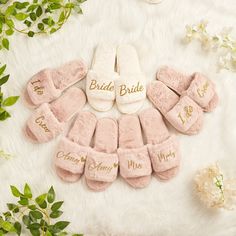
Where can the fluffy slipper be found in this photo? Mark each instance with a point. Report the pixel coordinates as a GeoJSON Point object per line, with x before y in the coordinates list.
{"type": "Point", "coordinates": [163, 149]}
{"type": "Point", "coordinates": [48, 84]}
{"type": "Point", "coordinates": [71, 153]}
{"type": "Point", "coordinates": [48, 120]}
{"type": "Point", "coordinates": [131, 86]}
{"type": "Point", "coordinates": [100, 79]}
{"type": "Point", "coordinates": [102, 162]}
{"type": "Point", "coordinates": [135, 164]}
{"type": "Point", "coordinates": [199, 88]}
{"type": "Point", "coordinates": [182, 112]}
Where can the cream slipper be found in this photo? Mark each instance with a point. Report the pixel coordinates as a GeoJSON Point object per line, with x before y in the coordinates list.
{"type": "Point", "coordinates": [100, 79]}
{"type": "Point", "coordinates": [131, 86]}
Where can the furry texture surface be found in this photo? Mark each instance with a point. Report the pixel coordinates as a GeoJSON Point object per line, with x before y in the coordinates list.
{"type": "Point", "coordinates": [161, 209]}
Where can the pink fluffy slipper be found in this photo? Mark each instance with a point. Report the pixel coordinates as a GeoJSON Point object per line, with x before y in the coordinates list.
{"type": "Point", "coordinates": [182, 112]}
{"type": "Point", "coordinates": [197, 86]}
{"type": "Point", "coordinates": [163, 148]}
{"type": "Point", "coordinates": [135, 164]}
{"type": "Point", "coordinates": [71, 153]}
{"type": "Point", "coordinates": [48, 120]}
{"type": "Point", "coordinates": [102, 162]}
{"type": "Point", "coordinates": [48, 84]}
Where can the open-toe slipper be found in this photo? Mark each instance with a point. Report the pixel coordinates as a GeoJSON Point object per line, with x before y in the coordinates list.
{"type": "Point", "coordinates": [131, 85]}
{"type": "Point", "coordinates": [48, 84]}
{"type": "Point", "coordinates": [163, 148]}
{"type": "Point", "coordinates": [135, 164]}
{"type": "Point", "coordinates": [197, 86]}
{"type": "Point", "coordinates": [100, 79]}
{"type": "Point", "coordinates": [102, 161]}
{"type": "Point", "coordinates": [48, 120]}
{"type": "Point", "coordinates": [71, 153]}
{"type": "Point", "coordinates": [181, 112]}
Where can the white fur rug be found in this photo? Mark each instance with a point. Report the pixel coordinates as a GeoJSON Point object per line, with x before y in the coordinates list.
{"type": "Point", "coordinates": [162, 209]}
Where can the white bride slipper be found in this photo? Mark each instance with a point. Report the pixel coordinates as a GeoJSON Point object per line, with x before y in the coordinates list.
{"type": "Point", "coordinates": [100, 79]}
{"type": "Point", "coordinates": [131, 86]}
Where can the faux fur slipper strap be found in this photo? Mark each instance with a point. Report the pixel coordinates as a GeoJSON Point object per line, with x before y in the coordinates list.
{"type": "Point", "coordinates": [130, 88]}
{"type": "Point", "coordinates": [134, 162]}
{"type": "Point", "coordinates": [166, 155]}
{"type": "Point", "coordinates": [48, 84]}
{"type": "Point", "coordinates": [101, 166]}
{"type": "Point", "coordinates": [197, 86]}
{"type": "Point", "coordinates": [71, 156]}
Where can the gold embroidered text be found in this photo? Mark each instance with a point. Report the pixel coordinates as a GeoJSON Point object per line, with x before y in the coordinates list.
{"type": "Point", "coordinates": [37, 89]}
{"type": "Point", "coordinates": [39, 121]}
{"type": "Point", "coordinates": [100, 167]}
{"type": "Point", "coordinates": [129, 90]}
{"type": "Point", "coordinates": [94, 85]}
{"type": "Point", "coordinates": [133, 165]}
{"type": "Point", "coordinates": [188, 110]}
{"type": "Point", "coordinates": [202, 91]}
{"type": "Point", "coordinates": [166, 156]}
{"type": "Point", "coordinates": [69, 157]}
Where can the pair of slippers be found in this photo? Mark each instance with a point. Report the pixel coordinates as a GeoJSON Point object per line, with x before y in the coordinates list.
{"type": "Point", "coordinates": [127, 86]}
{"type": "Point", "coordinates": [135, 161]}
{"type": "Point", "coordinates": [44, 92]}
{"type": "Point", "coordinates": [182, 99]}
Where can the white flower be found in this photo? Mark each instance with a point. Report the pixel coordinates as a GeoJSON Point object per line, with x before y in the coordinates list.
{"type": "Point", "coordinates": [213, 190]}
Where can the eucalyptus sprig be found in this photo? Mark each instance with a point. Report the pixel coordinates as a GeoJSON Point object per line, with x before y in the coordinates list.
{"type": "Point", "coordinates": [34, 17]}
{"type": "Point", "coordinates": [222, 42]}
{"type": "Point", "coordinates": [5, 102]}
{"type": "Point", "coordinates": [36, 216]}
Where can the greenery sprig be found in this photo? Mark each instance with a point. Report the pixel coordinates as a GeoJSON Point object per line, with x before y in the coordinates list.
{"type": "Point", "coordinates": [5, 102]}
{"type": "Point", "coordinates": [37, 215]}
{"type": "Point", "coordinates": [35, 17]}
{"type": "Point", "coordinates": [5, 155]}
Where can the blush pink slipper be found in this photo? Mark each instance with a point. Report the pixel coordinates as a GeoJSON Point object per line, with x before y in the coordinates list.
{"type": "Point", "coordinates": [199, 88]}
{"type": "Point", "coordinates": [100, 79]}
{"type": "Point", "coordinates": [48, 120]}
{"type": "Point", "coordinates": [72, 151]}
{"type": "Point", "coordinates": [131, 86]}
{"type": "Point", "coordinates": [102, 162]}
{"type": "Point", "coordinates": [182, 112]}
{"type": "Point", "coordinates": [163, 149]}
{"type": "Point", "coordinates": [48, 84]}
{"type": "Point", "coordinates": [135, 164]}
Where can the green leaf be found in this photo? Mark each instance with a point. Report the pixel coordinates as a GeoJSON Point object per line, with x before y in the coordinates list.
{"type": "Point", "coordinates": [4, 115]}
{"type": "Point", "coordinates": [4, 79]}
{"type": "Point", "coordinates": [36, 214]}
{"type": "Point", "coordinates": [55, 6]}
{"type": "Point", "coordinates": [56, 214]}
{"type": "Point", "coordinates": [10, 23]}
{"type": "Point", "coordinates": [33, 16]}
{"type": "Point", "coordinates": [9, 32]}
{"type": "Point", "coordinates": [56, 206]}
{"type": "Point", "coordinates": [61, 17]}
{"type": "Point", "coordinates": [2, 69]}
{"type": "Point", "coordinates": [35, 232]}
{"type": "Point", "coordinates": [28, 23]}
{"type": "Point", "coordinates": [27, 190]}
{"type": "Point", "coordinates": [43, 205]}
{"type": "Point", "coordinates": [32, 7]}
{"type": "Point", "coordinates": [11, 206]}
{"type": "Point", "coordinates": [48, 233]}
{"type": "Point", "coordinates": [23, 201]}
{"type": "Point", "coordinates": [53, 30]}
{"type": "Point", "coordinates": [5, 43]}
{"type": "Point", "coordinates": [26, 220]}
{"type": "Point", "coordinates": [40, 199]}
{"type": "Point", "coordinates": [7, 226]}
{"type": "Point", "coordinates": [21, 16]}
{"type": "Point", "coordinates": [17, 226]}
{"type": "Point", "coordinates": [10, 10]}
{"type": "Point", "coordinates": [32, 207]}
{"type": "Point", "coordinates": [31, 34]}
{"type": "Point", "coordinates": [10, 101]}
{"type": "Point", "coordinates": [21, 5]}
{"type": "Point", "coordinates": [41, 26]}
{"type": "Point", "coordinates": [34, 226]}
{"type": "Point", "coordinates": [15, 191]}
{"type": "Point", "coordinates": [39, 11]}
{"type": "Point", "coordinates": [51, 195]}
{"type": "Point", "coordinates": [60, 225]}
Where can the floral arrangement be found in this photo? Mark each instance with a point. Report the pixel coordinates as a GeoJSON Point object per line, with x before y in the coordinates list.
{"type": "Point", "coordinates": [214, 190]}
{"type": "Point", "coordinates": [222, 42]}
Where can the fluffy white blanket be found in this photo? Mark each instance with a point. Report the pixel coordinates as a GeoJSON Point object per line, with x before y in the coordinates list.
{"type": "Point", "coordinates": [162, 209]}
